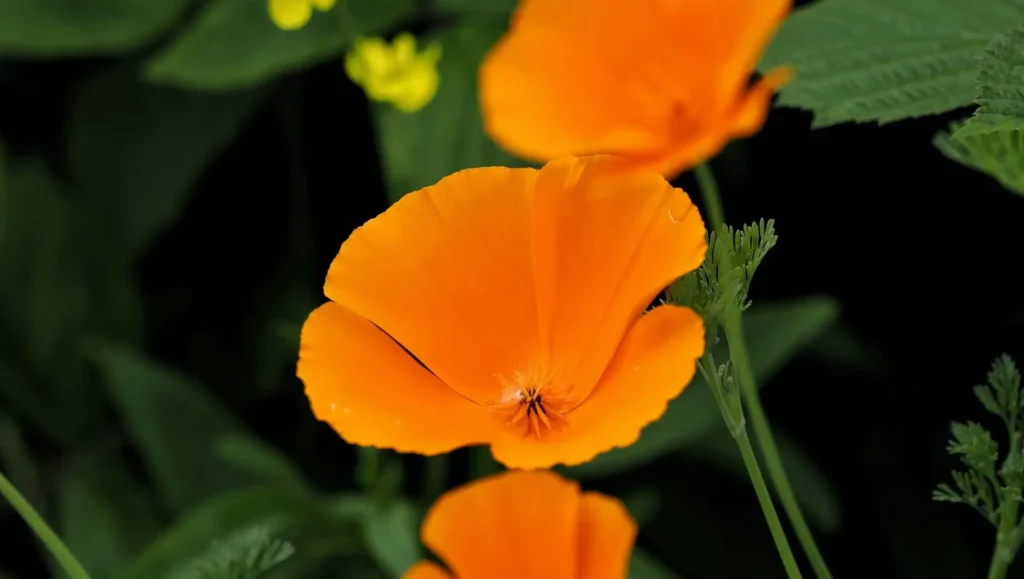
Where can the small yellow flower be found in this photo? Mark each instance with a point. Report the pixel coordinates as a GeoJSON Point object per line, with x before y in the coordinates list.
{"type": "Point", "coordinates": [395, 73]}
{"type": "Point", "coordinates": [294, 14]}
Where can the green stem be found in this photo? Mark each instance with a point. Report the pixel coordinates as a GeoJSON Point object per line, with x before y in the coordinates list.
{"type": "Point", "coordinates": [748, 387]}
{"type": "Point", "coordinates": [56, 547]}
{"type": "Point", "coordinates": [739, 433]}
{"type": "Point", "coordinates": [1007, 536]}
{"type": "Point", "coordinates": [435, 477]}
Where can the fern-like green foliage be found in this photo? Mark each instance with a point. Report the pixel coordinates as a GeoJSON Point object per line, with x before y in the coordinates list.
{"type": "Point", "coordinates": [886, 60]}
{"type": "Point", "coordinates": [705, 290]}
{"type": "Point", "coordinates": [249, 554]}
{"type": "Point", "coordinates": [1000, 88]}
{"type": "Point", "coordinates": [998, 153]}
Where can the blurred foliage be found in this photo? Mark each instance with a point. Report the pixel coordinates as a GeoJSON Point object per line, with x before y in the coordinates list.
{"type": "Point", "coordinates": [147, 471]}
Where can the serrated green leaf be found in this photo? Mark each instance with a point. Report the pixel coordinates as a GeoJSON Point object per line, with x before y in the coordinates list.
{"type": "Point", "coordinates": [412, 158]}
{"type": "Point", "coordinates": [60, 28]}
{"type": "Point", "coordinates": [392, 534]}
{"type": "Point", "coordinates": [814, 492]}
{"type": "Point", "coordinates": [996, 153]}
{"type": "Point", "coordinates": [138, 150]}
{"type": "Point", "coordinates": [176, 425]}
{"type": "Point", "coordinates": [232, 44]}
{"type": "Point", "coordinates": [107, 516]}
{"type": "Point", "coordinates": [774, 332]}
{"type": "Point", "coordinates": [279, 509]}
{"type": "Point", "coordinates": [1000, 88]}
{"type": "Point", "coordinates": [886, 60]}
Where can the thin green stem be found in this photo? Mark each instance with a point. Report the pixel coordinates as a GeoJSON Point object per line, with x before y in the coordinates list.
{"type": "Point", "coordinates": [765, 498]}
{"type": "Point", "coordinates": [56, 547]}
{"type": "Point", "coordinates": [748, 386]}
{"type": "Point", "coordinates": [1007, 541]}
{"type": "Point", "coordinates": [435, 477]}
{"type": "Point", "coordinates": [739, 433]}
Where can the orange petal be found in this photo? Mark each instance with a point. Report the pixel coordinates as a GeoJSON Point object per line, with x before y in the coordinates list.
{"type": "Point", "coordinates": [447, 272]}
{"type": "Point", "coordinates": [607, 533]}
{"type": "Point", "coordinates": [426, 570]}
{"type": "Point", "coordinates": [607, 241]}
{"type": "Point", "coordinates": [374, 394]}
{"type": "Point", "coordinates": [510, 526]}
{"type": "Point", "coordinates": [651, 367]}
{"type": "Point", "coordinates": [651, 80]}
{"type": "Point", "coordinates": [753, 109]}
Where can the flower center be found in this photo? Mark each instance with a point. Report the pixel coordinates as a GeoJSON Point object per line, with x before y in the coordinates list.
{"type": "Point", "coordinates": [533, 407]}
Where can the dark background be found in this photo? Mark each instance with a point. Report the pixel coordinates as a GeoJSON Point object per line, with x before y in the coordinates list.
{"type": "Point", "coordinates": [919, 251]}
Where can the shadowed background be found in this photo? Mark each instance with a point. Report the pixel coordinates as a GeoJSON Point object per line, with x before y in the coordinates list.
{"type": "Point", "coordinates": [106, 438]}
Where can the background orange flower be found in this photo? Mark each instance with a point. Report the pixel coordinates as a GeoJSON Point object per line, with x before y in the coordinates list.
{"type": "Point", "coordinates": [520, 294]}
{"type": "Point", "coordinates": [521, 524]}
{"type": "Point", "coordinates": [663, 83]}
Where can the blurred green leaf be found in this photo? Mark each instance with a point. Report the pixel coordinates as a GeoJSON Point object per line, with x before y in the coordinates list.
{"type": "Point", "coordinates": [642, 503]}
{"type": "Point", "coordinates": [60, 28]}
{"type": "Point", "coordinates": [62, 280]}
{"type": "Point", "coordinates": [469, 6]}
{"type": "Point", "coordinates": [176, 425]}
{"type": "Point", "coordinates": [138, 150]}
{"type": "Point", "coordinates": [998, 153]}
{"type": "Point", "coordinates": [253, 456]}
{"type": "Point", "coordinates": [392, 535]}
{"type": "Point", "coordinates": [106, 515]}
{"type": "Point", "coordinates": [841, 347]}
{"type": "Point", "coordinates": [412, 159]}
{"type": "Point", "coordinates": [279, 509]}
{"type": "Point", "coordinates": [814, 492]}
{"type": "Point", "coordinates": [885, 60]}
{"type": "Point", "coordinates": [233, 44]}
{"type": "Point", "coordinates": [775, 333]}
{"type": "Point", "coordinates": [644, 566]}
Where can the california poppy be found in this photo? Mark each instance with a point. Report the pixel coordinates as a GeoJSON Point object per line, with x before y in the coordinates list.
{"type": "Point", "coordinates": [294, 14]}
{"type": "Point", "coordinates": [664, 83]}
{"type": "Point", "coordinates": [526, 524]}
{"type": "Point", "coordinates": [504, 307]}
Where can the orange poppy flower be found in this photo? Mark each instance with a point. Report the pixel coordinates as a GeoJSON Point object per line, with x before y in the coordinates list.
{"type": "Point", "coordinates": [664, 83]}
{"type": "Point", "coordinates": [503, 307]}
{"type": "Point", "coordinates": [526, 524]}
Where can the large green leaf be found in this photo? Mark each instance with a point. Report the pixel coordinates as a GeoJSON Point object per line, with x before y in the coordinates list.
{"type": "Point", "coordinates": [813, 490]}
{"type": "Point", "coordinates": [278, 509]}
{"type": "Point", "coordinates": [998, 153]}
{"type": "Point", "coordinates": [56, 28]}
{"type": "Point", "coordinates": [106, 516]}
{"type": "Point", "coordinates": [886, 60]}
{"type": "Point", "coordinates": [138, 150]}
{"type": "Point", "coordinates": [1000, 87]}
{"type": "Point", "coordinates": [774, 332]}
{"type": "Point", "coordinates": [233, 44]}
{"type": "Point", "coordinates": [62, 280]}
{"type": "Point", "coordinates": [409, 142]}
{"type": "Point", "coordinates": [177, 426]}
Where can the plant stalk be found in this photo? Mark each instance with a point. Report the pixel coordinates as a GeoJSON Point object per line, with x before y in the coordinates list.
{"type": "Point", "coordinates": [748, 387]}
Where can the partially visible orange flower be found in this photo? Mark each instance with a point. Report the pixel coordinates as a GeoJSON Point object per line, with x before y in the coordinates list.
{"type": "Point", "coordinates": [503, 307]}
{"type": "Point", "coordinates": [526, 525]}
{"type": "Point", "coordinates": [664, 83]}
